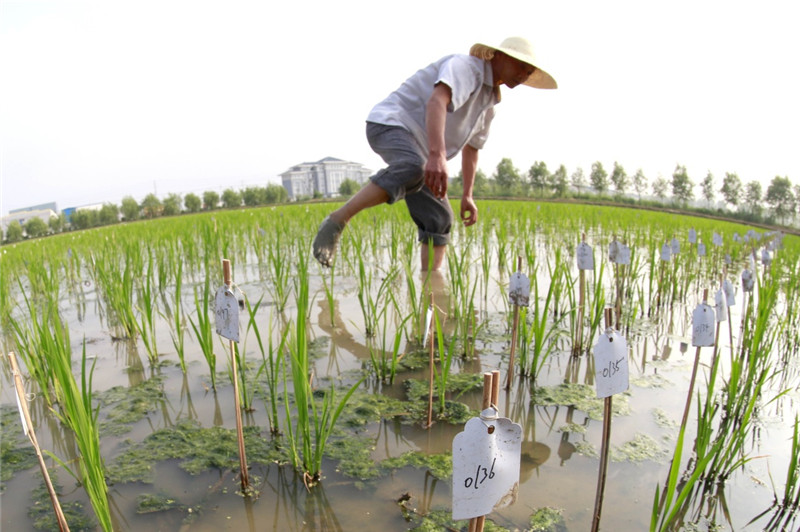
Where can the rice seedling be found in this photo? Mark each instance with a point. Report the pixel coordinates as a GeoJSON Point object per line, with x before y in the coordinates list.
{"type": "Point", "coordinates": [146, 324]}
{"type": "Point", "coordinates": [117, 285]}
{"type": "Point", "coordinates": [76, 412]}
{"type": "Point", "coordinates": [203, 330]}
{"type": "Point", "coordinates": [177, 319]}
{"type": "Point", "coordinates": [445, 362]}
{"type": "Point", "coordinates": [271, 363]}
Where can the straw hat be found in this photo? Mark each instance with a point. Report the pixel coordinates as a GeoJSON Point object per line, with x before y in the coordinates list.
{"type": "Point", "coordinates": [520, 49]}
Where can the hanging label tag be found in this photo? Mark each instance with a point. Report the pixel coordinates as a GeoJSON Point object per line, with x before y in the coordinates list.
{"type": "Point", "coordinates": [728, 260]}
{"type": "Point", "coordinates": [485, 466]}
{"type": "Point", "coordinates": [701, 249]}
{"type": "Point", "coordinates": [716, 239]}
{"type": "Point", "coordinates": [730, 293]}
{"type": "Point", "coordinates": [519, 289]}
{"type": "Point", "coordinates": [676, 246]}
{"type": "Point", "coordinates": [747, 281]}
{"type": "Point", "coordinates": [766, 258]}
{"type": "Point", "coordinates": [624, 255]}
{"type": "Point", "coordinates": [613, 251]}
{"type": "Point", "coordinates": [719, 306]}
{"type": "Point", "coordinates": [611, 364]}
{"type": "Point", "coordinates": [584, 255]}
{"type": "Point", "coordinates": [736, 237]}
{"type": "Point", "coordinates": [428, 321]}
{"type": "Point", "coordinates": [226, 311]}
{"type": "Point", "coordinates": [666, 252]}
{"type": "Point", "coordinates": [703, 326]}
{"type": "Point", "coordinates": [692, 236]}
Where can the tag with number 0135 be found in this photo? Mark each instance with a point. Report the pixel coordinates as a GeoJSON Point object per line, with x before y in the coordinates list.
{"type": "Point", "coordinates": [485, 466]}
{"type": "Point", "coordinates": [611, 364]}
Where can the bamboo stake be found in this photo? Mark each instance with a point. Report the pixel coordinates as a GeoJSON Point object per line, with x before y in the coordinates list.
{"type": "Point", "coordinates": [514, 333]}
{"type": "Point", "coordinates": [226, 273]}
{"type": "Point", "coordinates": [601, 476]}
{"type": "Point", "coordinates": [26, 417]}
{"type": "Point", "coordinates": [578, 342]}
{"type": "Point", "coordinates": [694, 371]}
{"type": "Point", "coordinates": [491, 394]}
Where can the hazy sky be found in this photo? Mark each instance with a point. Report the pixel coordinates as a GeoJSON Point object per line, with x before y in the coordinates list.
{"type": "Point", "coordinates": [99, 100]}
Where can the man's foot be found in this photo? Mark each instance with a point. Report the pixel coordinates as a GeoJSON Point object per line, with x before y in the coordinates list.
{"type": "Point", "coordinates": [326, 241]}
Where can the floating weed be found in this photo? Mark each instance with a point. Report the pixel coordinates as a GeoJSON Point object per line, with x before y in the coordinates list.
{"type": "Point", "coordinates": [586, 449]}
{"type": "Point", "coordinates": [655, 380]}
{"type": "Point", "coordinates": [663, 420]}
{"type": "Point", "coordinates": [127, 405]}
{"type": "Point", "coordinates": [547, 519]}
{"type": "Point", "coordinates": [572, 428]}
{"type": "Point", "coordinates": [149, 503]}
{"type": "Point", "coordinates": [642, 447]}
{"type": "Point", "coordinates": [364, 408]}
{"type": "Point", "coordinates": [582, 397]}
{"type": "Point", "coordinates": [439, 465]}
{"type": "Point", "coordinates": [199, 449]}
{"type": "Point", "coordinates": [43, 517]}
{"type": "Point", "coordinates": [354, 455]}
{"type": "Point", "coordinates": [16, 453]}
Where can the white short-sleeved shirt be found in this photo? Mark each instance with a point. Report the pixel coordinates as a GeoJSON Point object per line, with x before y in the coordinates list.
{"type": "Point", "coordinates": [469, 114]}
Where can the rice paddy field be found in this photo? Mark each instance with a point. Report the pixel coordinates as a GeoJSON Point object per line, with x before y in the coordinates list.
{"type": "Point", "coordinates": [133, 395]}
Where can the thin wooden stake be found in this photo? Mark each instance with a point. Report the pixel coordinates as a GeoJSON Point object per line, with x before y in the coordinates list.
{"type": "Point", "coordinates": [226, 273]}
{"type": "Point", "coordinates": [578, 341]}
{"type": "Point", "coordinates": [26, 417]}
{"type": "Point", "coordinates": [694, 373]}
{"type": "Point", "coordinates": [491, 394]}
{"type": "Point", "coordinates": [601, 476]}
{"type": "Point", "coordinates": [514, 333]}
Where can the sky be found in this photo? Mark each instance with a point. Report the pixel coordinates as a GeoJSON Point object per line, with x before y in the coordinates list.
{"type": "Point", "coordinates": [101, 100]}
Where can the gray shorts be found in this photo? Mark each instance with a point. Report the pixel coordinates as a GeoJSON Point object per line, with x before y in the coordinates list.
{"type": "Point", "coordinates": [404, 179]}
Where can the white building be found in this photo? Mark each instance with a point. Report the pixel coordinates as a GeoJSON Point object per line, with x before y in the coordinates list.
{"type": "Point", "coordinates": [23, 216]}
{"type": "Point", "coordinates": [324, 176]}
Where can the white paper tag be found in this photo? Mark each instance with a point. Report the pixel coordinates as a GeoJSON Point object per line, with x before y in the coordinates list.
{"type": "Point", "coordinates": [666, 252]}
{"type": "Point", "coordinates": [226, 311]}
{"type": "Point", "coordinates": [730, 293]}
{"type": "Point", "coordinates": [719, 306]}
{"type": "Point", "coordinates": [485, 467]}
{"type": "Point", "coordinates": [716, 239]}
{"type": "Point", "coordinates": [676, 246]}
{"type": "Point", "coordinates": [736, 237]}
{"type": "Point", "coordinates": [747, 281]}
{"type": "Point", "coordinates": [701, 249]}
{"type": "Point", "coordinates": [728, 260]}
{"type": "Point", "coordinates": [692, 236]}
{"type": "Point", "coordinates": [703, 326]}
{"type": "Point", "coordinates": [584, 255]}
{"type": "Point", "coordinates": [624, 255]}
{"type": "Point", "coordinates": [428, 321]}
{"type": "Point", "coordinates": [611, 364]}
{"type": "Point", "coordinates": [766, 258]}
{"type": "Point", "coordinates": [519, 289]}
{"type": "Point", "coordinates": [613, 251]}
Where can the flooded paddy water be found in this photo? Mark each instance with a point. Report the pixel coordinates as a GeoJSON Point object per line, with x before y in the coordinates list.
{"type": "Point", "coordinates": [168, 438]}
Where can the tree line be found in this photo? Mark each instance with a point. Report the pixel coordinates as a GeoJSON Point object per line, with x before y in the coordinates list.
{"type": "Point", "coordinates": [745, 201]}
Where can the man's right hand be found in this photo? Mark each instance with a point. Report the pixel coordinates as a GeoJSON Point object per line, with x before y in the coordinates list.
{"type": "Point", "coordinates": [436, 175]}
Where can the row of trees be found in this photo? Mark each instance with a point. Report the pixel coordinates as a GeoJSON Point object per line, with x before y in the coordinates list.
{"type": "Point", "coordinates": [781, 196]}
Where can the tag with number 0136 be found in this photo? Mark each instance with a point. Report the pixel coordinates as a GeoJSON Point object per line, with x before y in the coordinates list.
{"type": "Point", "coordinates": [611, 364]}
{"type": "Point", "coordinates": [703, 323]}
{"type": "Point", "coordinates": [226, 311]}
{"type": "Point", "coordinates": [485, 466]}
{"type": "Point", "coordinates": [519, 290]}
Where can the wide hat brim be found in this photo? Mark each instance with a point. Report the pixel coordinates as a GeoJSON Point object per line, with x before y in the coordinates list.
{"type": "Point", "coordinates": [521, 50]}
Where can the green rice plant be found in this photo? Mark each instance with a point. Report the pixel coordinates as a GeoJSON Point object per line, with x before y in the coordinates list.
{"type": "Point", "coordinates": [465, 312]}
{"type": "Point", "coordinates": [308, 437]}
{"type": "Point", "coordinates": [596, 306]}
{"type": "Point", "coordinates": [791, 489]}
{"type": "Point", "coordinates": [385, 366]}
{"type": "Point", "coordinates": [116, 283]}
{"type": "Point", "coordinates": [442, 376]}
{"type": "Point", "coordinates": [146, 324]}
{"type": "Point", "coordinates": [203, 330]}
{"type": "Point", "coordinates": [538, 335]}
{"type": "Point", "coordinates": [270, 365]}
{"type": "Point", "coordinates": [75, 411]}
{"type": "Point", "coordinates": [177, 319]}
{"type": "Point", "coordinates": [329, 294]}
{"type": "Point", "coordinates": [279, 273]}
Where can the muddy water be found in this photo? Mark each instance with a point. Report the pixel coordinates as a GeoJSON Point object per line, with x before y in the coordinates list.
{"type": "Point", "coordinates": [559, 451]}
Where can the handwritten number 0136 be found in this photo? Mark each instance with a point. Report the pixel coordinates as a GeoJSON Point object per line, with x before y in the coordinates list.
{"type": "Point", "coordinates": [478, 480]}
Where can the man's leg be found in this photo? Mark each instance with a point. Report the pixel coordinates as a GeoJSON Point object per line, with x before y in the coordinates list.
{"type": "Point", "coordinates": [425, 256]}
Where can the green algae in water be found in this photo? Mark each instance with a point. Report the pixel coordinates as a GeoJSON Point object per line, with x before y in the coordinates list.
{"type": "Point", "coordinates": [363, 408]}
{"type": "Point", "coordinates": [656, 380]}
{"type": "Point", "coordinates": [128, 404]}
{"type": "Point", "coordinates": [454, 412]}
{"type": "Point", "coordinates": [583, 397]}
{"type": "Point", "coordinates": [16, 452]}
{"type": "Point", "coordinates": [572, 428]}
{"type": "Point", "coordinates": [199, 449]}
{"type": "Point", "coordinates": [586, 449]}
{"type": "Point", "coordinates": [355, 457]}
{"type": "Point", "coordinates": [663, 420]}
{"type": "Point", "coordinates": [439, 465]}
{"type": "Point", "coordinates": [148, 503]}
{"type": "Point", "coordinates": [547, 520]}
{"type": "Point", "coordinates": [642, 447]}
{"type": "Point", "coordinates": [43, 516]}
{"type": "Point", "coordinates": [442, 519]}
